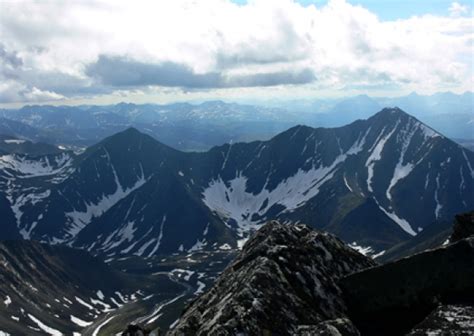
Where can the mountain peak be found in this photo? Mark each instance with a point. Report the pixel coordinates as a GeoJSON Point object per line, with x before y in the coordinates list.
{"type": "Point", "coordinates": [393, 110]}
{"type": "Point", "coordinates": [130, 140]}
{"type": "Point", "coordinates": [130, 135]}
{"type": "Point", "coordinates": [132, 131]}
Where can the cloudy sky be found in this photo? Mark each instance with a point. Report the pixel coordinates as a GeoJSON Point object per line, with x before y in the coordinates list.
{"type": "Point", "coordinates": [87, 51]}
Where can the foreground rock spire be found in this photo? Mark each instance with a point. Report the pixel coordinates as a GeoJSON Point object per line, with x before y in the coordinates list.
{"type": "Point", "coordinates": [283, 282]}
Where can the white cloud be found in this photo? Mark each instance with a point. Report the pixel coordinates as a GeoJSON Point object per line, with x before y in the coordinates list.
{"type": "Point", "coordinates": [456, 9]}
{"type": "Point", "coordinates": [14, 92]}
{"type": "Point", "coordinates": [345, 46]}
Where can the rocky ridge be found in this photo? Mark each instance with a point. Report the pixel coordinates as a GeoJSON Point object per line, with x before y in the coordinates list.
{"type": "Point", "coordinates": [284, 280]}
{"type": "Point", "coordinates": [292, 280]}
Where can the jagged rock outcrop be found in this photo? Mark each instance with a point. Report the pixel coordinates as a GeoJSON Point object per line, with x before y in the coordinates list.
{"type": "Point", "coordinates": [284, 278]}
{"type": "Point", "coordinates": [391, 299]}
{"type": "Point", "coordinates": [463, 226]}
{"type": "Point", "coordinates": [447, 320]}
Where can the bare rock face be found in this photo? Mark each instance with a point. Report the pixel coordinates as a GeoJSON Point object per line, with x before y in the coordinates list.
{"type": "Point", "coordinates": [393, 298]}
{"type": "Point", "coordinates": [463, 226]}
{"type": "Point", "coordinates": [284, 279]}
{"type": "Point", "coordinates": [447, 320]}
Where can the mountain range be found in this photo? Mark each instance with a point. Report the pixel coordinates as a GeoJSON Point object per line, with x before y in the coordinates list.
{"type": "Point", "coordinates": [200, 126]}
{"type": "Point", "coordinates": [132, 195]}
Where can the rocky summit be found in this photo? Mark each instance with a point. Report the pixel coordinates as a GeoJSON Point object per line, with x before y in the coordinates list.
{"type": "Point", "coordinates": [284, 282]}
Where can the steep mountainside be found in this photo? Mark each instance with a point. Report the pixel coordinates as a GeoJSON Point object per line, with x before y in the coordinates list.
{"type": "Point", "coordinates": [284, 279]}
{"type": "Point", "coordinates": [56, 290]}
{"type": "Point", "coordinates": [130, 194]}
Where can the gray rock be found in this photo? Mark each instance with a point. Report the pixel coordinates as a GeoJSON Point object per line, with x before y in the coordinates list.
{"type": "Point", "coordinates": [447, 320]}
{"type": "Point", "coordinates": [286, 276]}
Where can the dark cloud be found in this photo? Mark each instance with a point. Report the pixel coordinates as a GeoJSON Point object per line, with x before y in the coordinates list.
{"type": "Point", "coordinates": [122, 72]}
{"type": "Point", "coordinates": [275, 78]}
{"type": "Point", "coordinates": [10, 58]}
{"type": "Point", "coordinates": [119, 71]}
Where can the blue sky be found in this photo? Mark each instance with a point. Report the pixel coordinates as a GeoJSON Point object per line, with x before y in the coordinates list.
{"type": "Point", "coordinates": [394, 9]}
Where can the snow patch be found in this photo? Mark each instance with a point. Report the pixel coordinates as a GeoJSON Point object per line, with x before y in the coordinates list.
{"type": "Point", "coordinates": [402, 169]}
{"type": "Point", "coordinates": [96, 331]}
{"type": "Point", "coordinates": [381, 253]}
{"type": "Point", "coordinates": [14, 141]}
{"type": "Point", "coordinates": [79, 322]}
{"type": "Point", "coordinates": [376, 155]}
{"type": "Point", "coordinates": [197, 246]}
{"type": "Point", "coordinates": [85, 304]}
{"type": "Point", "coordinates": [200, 289]}
{"type": "Point", "coordinates": [7, 301]}
{"type": "Point", "coordinates": [231, 200]}
{"type": "Point", "coordinates": [225, 247]}
{"type": "Point", "coordinates": [400, 221]}
{"type": "Point", "coordinates": [100, 295]}
{"type": "Point", "coordinates": [79, 219]}
{"type": "Point", "coordinates": [156, 312]}
{"type": "Point", "coordinates": [44, 166]}
{"type": "Point", "coordinates": [241, 242]}
{"type": "Point", "coordinates": [160, 236]}
{"type": "Point", "coordinates": [428, 132]}
{"type": "Point", "coordinates": [365, 250]}
{"type": "Point", "coordinates": [44, 327]}
{"type": "Point", "coordinates": [439, 206]}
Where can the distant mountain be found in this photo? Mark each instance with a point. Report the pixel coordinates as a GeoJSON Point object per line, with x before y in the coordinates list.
{"type": "Point", "coordinates": [20, 130]}
{"type": "Point", "coordinates": [349, 110]}
{"type": "Point", "coordinates": [438, 103]}
{"type": "Point", "coordinates": [130, 194]}
{"type": "Point", "coordinates": [180, 125]}
{"type": "Point", "coordinates": [198, 127]}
